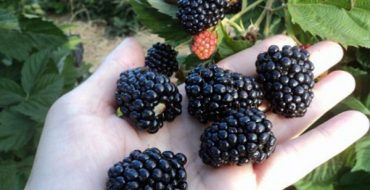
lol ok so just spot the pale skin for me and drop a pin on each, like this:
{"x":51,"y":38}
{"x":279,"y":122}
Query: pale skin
{"x":83,"y":137}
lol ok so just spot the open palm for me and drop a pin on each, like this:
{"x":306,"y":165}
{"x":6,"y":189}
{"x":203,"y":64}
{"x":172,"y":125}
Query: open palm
{"x":83,"y":137}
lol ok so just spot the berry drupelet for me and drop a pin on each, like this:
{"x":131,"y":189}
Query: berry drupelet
{"x":287,"y":79}
{"x":162,"y":59}
{"x":243,"y":136}
{"x":147,"y":98}
{"x":198,"y":15}
{"x":149,"y":170}
{"x":213,"y":91}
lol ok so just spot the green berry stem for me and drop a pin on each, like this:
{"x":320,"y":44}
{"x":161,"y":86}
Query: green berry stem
{"x":250,"y":7}
{"x":268,"y":8}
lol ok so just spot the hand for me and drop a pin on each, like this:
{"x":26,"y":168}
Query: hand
{"x":83,"y":137}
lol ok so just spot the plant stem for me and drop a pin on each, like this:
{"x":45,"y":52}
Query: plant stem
{"x":260,"y":18}
{"x":234,"y":25}
{"x":268,"y":8}
{"x":250,"y":7}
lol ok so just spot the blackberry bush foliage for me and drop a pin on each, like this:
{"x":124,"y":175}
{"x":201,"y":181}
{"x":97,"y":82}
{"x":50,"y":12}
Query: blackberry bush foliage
{"x":147,"y":98}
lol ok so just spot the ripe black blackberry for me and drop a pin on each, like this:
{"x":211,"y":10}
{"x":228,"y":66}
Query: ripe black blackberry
{"x":147,"y":98}
{"x":213,"y":91}
{"x":162,"y":58}
{"x":233,"y":6}
{"x":198,"y":15}
{"x":287,"y":79}
{"x":151,"y":169}
{"x":243,"y":136}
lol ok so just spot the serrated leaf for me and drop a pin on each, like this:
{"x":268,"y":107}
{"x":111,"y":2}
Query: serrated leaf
{"x":10,"y":92}
{"x":325,"y":175}
{"x":356,"y":104}
{"x":311,"y":186}
{"x":43,"y":34}
{"x":35,"y":110}
{"x":32,"y":69}
{"x":160,"y":24}
{"x":47,"y":89}
{"x":8,"y":177}
{"x":347,"y":22}
{"x":362,"y":155}
{"x":8,"y":20}
{"x":14,"y":44}
{"x":16,"y":130}
{"x":163,"y":7}
{"x":354,"y":181}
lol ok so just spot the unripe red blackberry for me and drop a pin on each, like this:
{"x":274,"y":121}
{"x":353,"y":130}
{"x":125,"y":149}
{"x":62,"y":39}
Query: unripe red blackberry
{"x":149,"y":170}
{"x":287,"y":79}
{"x":204,"y":44}
{"x":199,"y":15}
{"x":147,"y":98}
{"x":243,"y":136}
{"x":213,"y":91}
{"x":162,"y":59}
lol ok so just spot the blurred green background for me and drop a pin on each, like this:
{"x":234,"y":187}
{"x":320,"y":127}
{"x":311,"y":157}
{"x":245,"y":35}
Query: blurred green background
{"x":47,"y":47}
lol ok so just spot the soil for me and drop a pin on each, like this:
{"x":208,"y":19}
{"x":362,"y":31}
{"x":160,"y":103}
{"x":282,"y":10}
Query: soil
{"x":97,"y":44}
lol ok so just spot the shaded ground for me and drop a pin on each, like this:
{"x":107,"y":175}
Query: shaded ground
{"x":97,"y":44}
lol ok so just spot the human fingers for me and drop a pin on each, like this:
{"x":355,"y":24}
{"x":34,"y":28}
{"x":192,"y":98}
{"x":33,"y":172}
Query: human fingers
{"x":100,"y":87}
{"x":298,"y":157}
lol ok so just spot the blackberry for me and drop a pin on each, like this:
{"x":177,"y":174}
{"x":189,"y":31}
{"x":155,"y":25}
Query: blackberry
{"x":287,"y":79}
{"x":233,"y":6}
{"x":151,"y":169}
{"x":243,"y":136}
{"x":147,"y":98}
{"x":162,"y":59}
{"x":199,"y":15}
{"x":213,"y":91}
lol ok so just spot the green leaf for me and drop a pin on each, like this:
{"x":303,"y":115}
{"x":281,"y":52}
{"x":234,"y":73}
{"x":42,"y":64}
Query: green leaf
{"x":325,"y":175}
{"x":306,"y":185}
{"x":362,"y":155}
{"x":367,"y":101}
{"x":161,"y":24}
{"x":163,"y":7}
{"x":228,"y":46}
{"x":354,"y":181}
{"x":356,"y":104}
{"x":16,"y":130}
{"x":33,"y":68}
{"x":362,"y":56}
{"x":14,"y":44}
{"x":8,"y":177}
{"x":8,"y":20}
{"x":48,"y":88}
{"x":43,"y":34}
{"x":35,"y":33}
{"x":35,"y":110}
{"x":10,"y":92}
{"x":347,"y":22}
